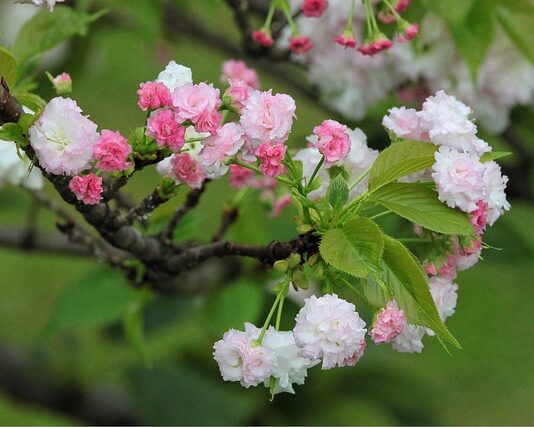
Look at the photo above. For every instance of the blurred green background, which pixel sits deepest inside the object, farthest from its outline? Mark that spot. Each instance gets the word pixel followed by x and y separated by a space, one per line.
pixel 95 372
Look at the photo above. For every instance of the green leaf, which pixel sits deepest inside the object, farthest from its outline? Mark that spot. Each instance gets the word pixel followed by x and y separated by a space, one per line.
pixel 234 305
pixel 494 155
pixel 134 326
pixel 99 298
pixel 12 132
pixel 400 159
pixel 405 279
pixel 31 100
pixel 8 67
pixel 517 20
pixel 474 34
pixel 339 192
pixel 47 30
pixel 420 205
pixel 354 249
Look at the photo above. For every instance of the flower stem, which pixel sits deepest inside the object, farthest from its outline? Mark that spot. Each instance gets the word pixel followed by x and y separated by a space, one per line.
pixel 314 174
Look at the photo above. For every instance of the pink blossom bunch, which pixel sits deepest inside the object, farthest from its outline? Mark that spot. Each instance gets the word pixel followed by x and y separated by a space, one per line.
pixel 63 138
pixel 153 95
pixel 300 44
pixel 267 117
pixel 263 38
pixel 112 151
pixel 314 8
pixel 271 156
pixel 199 104
pixel 329 328
pixel 164 126
pixel 238 70
pixel 87 188
pixel 188 170
pixel 333 141
pixel 389 323
pixel 242 358
pixel 218 148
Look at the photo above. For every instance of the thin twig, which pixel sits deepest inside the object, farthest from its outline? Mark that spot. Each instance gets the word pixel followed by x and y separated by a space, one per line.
pixel 229 216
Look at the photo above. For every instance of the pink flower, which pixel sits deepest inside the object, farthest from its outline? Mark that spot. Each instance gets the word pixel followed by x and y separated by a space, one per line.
pixel 447 269
pixel 389 323
pixel 209 122
pixel 386 17
pixel 111 151
pixel 240 360
pixel 240 176
pixel 346 40
pixel 197 103
pixel 63 138
pixel 378 43
pixel 268 117
pixel 468 255
pixel 459 178
pixel 62 83
pixel 220 147
pixel 409 31
pixel 355 358
pixel 300 44
pixel 402 5
pixel 238 70
pixel 153 95
pixel 314 8
pixel 479 217
pixel 405 123
pixel 166 130
pixel 280 204
pixel 239 92
pixel 88 188
pixel 262 37
pixel 271 156
pixel 188 170
pixel 431 269
pixel 333 140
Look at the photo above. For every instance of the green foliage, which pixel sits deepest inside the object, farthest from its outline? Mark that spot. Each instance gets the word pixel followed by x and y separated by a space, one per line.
pixel 400 159
pixel 47 30
pixel 406 281
pixel 234 305
pixel 8 66
pixel 184 397
pixel 355 248
pixel 420 205
pixel 517 20
pixel 494 155
pixel 338 192
pixel 133 323
pixel 31 100
pixel 12 132
pixel 97 299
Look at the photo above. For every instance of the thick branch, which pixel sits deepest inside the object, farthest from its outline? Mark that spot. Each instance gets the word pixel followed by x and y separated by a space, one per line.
pixel 10 109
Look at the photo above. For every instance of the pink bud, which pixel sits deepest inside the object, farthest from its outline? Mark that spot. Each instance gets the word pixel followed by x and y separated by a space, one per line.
pixel 263 38
pixel 300 44
pixel 314 8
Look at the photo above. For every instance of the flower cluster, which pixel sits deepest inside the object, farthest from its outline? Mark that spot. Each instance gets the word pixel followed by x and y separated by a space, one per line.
pixel 350 84
pixel 375 40
pixel 327 328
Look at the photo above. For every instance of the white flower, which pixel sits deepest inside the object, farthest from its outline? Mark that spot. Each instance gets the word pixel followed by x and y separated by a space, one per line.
pixel 459 178
pixel 310 158
pixel 175 75
pixel 410 340
pixel 15 171
pixel 240 359
pixel 447 121
pixel 494 186
pixel 329 328
pixel 287 366
pixel 49 3
pixel 359 160
pixel 405 123
pixel 444 294
pixel 63 138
